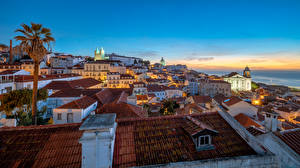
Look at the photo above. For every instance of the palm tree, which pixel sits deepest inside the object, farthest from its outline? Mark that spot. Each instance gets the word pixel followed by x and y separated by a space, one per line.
pixel 34 40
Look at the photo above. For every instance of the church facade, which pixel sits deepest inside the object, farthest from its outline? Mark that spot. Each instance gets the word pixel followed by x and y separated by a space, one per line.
pixel 99 54
pixel 239 82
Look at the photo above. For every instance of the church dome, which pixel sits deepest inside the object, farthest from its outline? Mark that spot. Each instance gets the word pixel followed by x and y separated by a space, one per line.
pixel 247 68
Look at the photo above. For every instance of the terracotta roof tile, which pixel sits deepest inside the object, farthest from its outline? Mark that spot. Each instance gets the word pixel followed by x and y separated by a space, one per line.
pixel 232 100
pixel 255 131
pixel 232 74
pixel 75 84
pixel 8 72
pixel 201 99
pixel 246 121
pixel 188 108
pixel 156 88
pixel 159 140
pixel 75 92
pixel 41 146
pixel 123 110
pixel 81 103
pixel 291 138
pixel 142 97
pixel 219 98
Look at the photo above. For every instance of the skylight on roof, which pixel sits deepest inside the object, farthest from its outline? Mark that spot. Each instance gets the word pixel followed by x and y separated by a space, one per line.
pixel 226 100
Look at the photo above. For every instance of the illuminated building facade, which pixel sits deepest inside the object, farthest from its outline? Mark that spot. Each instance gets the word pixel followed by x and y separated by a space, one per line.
pixel 239 82
pixel 162 62
pixel 99 54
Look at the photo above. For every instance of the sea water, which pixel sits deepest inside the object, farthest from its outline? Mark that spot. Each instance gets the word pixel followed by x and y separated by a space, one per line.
pixel 275 77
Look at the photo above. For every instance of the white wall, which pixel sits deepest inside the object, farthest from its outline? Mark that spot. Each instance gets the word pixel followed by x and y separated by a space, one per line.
pixel 242 107
pixel 174 93
pixel 3 87
pixel 78 114
pixel 64 112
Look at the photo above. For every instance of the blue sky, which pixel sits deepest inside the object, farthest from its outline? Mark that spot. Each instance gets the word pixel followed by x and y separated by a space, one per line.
pixel 203 34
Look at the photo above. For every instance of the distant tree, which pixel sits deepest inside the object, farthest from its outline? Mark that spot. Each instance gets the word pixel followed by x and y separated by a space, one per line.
pixel 168 107
pixel 89 59
pixel 146 63
pixel 26 57
pixel 254 86
pixel 34 40
pixel 17 104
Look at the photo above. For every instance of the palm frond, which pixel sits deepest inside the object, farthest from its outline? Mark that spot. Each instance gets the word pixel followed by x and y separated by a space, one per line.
pixel 21 38
pixel 26 28
pixel 49 38
pixel 24 32
pixel 45 31
pixel 34 40
pixel 36 27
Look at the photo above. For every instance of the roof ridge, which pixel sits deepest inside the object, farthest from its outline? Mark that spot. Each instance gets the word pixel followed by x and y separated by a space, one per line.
pixel 134 110
pixel 165 117
pixel 289 130
pixel 38 127
pixel 198 123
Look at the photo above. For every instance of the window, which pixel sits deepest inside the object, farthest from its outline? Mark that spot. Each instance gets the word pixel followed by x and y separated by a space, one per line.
pixel 70 118
pixel 58 116
pixel 204 140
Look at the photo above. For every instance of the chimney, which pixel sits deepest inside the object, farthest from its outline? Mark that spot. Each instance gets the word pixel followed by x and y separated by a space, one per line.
pixel 10 53
pixel 271 121
pixel 98 140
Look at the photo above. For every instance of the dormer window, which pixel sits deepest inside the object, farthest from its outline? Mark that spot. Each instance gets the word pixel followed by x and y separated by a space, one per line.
pixel 204 140
pixel 200 133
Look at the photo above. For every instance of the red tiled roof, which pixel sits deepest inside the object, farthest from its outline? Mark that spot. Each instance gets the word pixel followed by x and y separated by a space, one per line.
pixel 202 99
pixel 123 97
pixel 105 96
pixel 41 146
pixel 75 92
pixel 156 88
pixel 246 121
pixel 193 126
pixel 29 78
pixel 79 83
pixel 159 140
pixel 188 107
pixel 123 110
pixel 141 97
pixel 288 125
pixel 81 103
pixel 232 74
pixel 109 95
pixel 8 72
pixel 232 100
pixel 219 98
pixel 284 109
pixel 255 131
pixel 291 138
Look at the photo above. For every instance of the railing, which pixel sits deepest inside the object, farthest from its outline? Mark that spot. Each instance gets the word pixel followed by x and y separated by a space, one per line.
pixel 6 81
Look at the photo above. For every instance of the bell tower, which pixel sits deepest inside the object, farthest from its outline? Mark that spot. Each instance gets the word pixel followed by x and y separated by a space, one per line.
pixel 162 62
pixel 247 72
